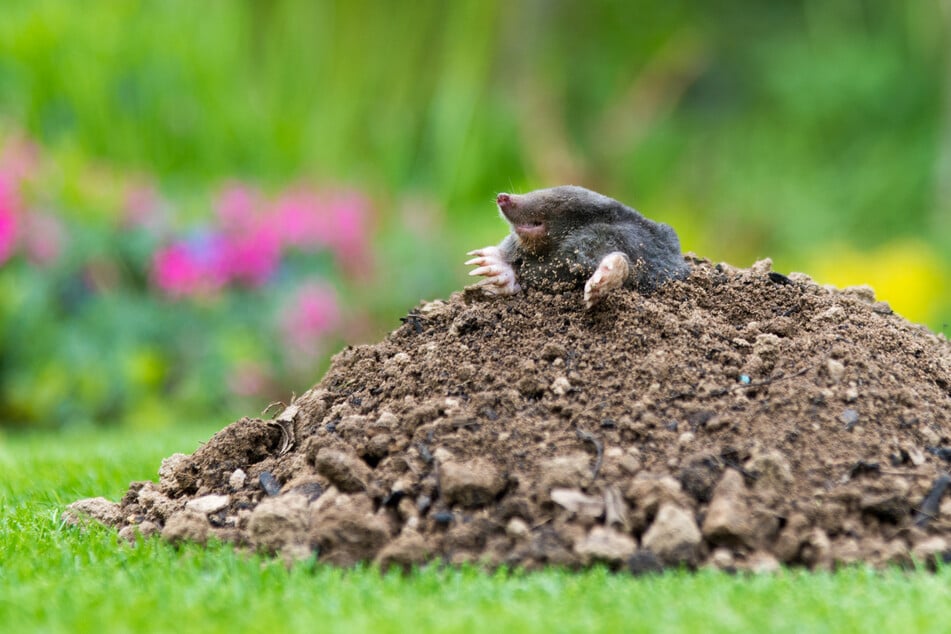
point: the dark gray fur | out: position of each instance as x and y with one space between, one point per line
583 227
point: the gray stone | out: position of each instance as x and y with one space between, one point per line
168 479
99 509
237 479
186 526
673 536
578 503
279 521
208 504
728 519
605 544
348 473
470 484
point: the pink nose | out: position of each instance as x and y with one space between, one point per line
503 200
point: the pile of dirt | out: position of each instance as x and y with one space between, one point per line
739 418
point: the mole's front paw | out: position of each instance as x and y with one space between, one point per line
609 275
499 275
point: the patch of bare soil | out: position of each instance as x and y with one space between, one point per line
738 418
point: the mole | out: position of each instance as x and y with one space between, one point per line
570 235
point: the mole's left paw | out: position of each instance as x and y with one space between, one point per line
499 275
609 275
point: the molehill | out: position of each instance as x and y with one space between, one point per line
738 418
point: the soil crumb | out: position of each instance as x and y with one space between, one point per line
739 419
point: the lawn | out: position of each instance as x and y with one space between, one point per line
55 578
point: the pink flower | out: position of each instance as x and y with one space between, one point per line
349 213
189 268
9 224
301 221
251 259
143 208
312 314
238 209
43 238
206 263
338 222
251 243
19 158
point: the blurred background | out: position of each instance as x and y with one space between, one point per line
201 201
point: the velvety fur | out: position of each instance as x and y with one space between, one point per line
567 231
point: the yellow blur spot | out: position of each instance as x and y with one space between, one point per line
146 368
149 412
908 274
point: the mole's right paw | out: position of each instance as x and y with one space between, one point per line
609 275
499 275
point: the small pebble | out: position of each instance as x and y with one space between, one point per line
560 386
849 417
517 528
717 423
442 517
237 479
836 370
207 504
269 483
722 558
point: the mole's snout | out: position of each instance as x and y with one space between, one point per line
504 201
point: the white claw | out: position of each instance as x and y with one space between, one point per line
499 275
489 282
489 271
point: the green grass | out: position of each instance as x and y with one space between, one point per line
61 579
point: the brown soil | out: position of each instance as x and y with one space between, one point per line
739 418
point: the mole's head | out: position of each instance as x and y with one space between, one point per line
540 219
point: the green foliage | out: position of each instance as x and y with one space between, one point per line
135 313
814 132
123 352
804 116
55 578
